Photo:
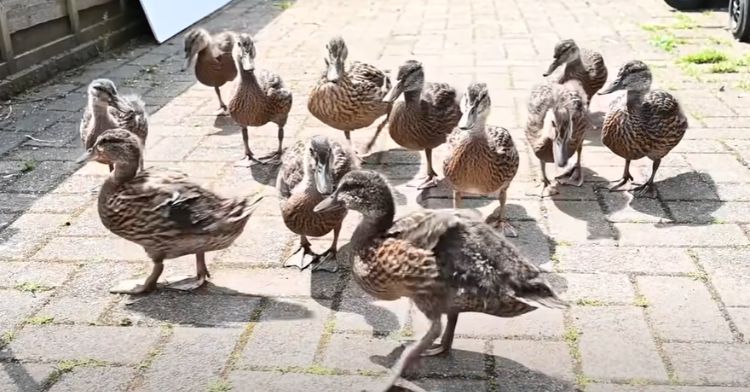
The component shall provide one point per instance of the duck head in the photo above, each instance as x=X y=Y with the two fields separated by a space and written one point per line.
x=410 y=78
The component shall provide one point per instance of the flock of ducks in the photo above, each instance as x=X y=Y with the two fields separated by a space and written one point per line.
x=447 y=261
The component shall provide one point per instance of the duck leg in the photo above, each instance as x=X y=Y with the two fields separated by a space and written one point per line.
x=457 y=199
x=447 y=340
x=348 y=135
x=647 y=188
x=308 y=256
x=547 y=189
x=502 y=224
x=372 y=141
x=625 y=177
x=411 y=355
x=430 y=180
x=193 y=282
x=133 y=288
x=574 y=176
x=275 y=157
x=248 y=153
x=223 y=111
x=329 y=256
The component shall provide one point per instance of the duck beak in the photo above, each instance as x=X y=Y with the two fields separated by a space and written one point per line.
x=255 y=203
x=467 y=119
x=248 y=64
x=395 y=91
x=560 y=152
x=614 y=86
x=324 y=178
x=330 y=203
x=333 y=73
x=552 y=67
x=188 y=62
x=86 y=156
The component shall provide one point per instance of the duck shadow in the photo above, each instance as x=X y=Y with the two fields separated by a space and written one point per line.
x=20 y=376
x=435 y=372
x=398 y=165
x=441 y=197
x=265 y=174
x=226 y=126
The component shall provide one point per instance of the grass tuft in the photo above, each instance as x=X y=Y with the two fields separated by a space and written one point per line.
x=219 y=386
x=29 y=166
x=698 y=276
x=666 y=42
x=40 y=320
x=284 y=4
x=641 y=301
x=705 y=56
x=589 y=302
x=724 y=67
x=31 y=287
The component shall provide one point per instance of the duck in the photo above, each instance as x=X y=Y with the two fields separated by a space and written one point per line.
x=258 y=98
x=481 y=159
x=212 y=55
x=309 y=172
x=349 y=99
x=162 y=211
x=641 y=123
x=445 y=261
x=581 y=64
x=107 y=109
x=557 y=123
x=425 y=117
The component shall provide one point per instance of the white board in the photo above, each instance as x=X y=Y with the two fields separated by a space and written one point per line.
x=169 y=17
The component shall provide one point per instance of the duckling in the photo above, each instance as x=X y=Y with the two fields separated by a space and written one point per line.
x=258 y=99
x=641 y=123
x=214 y=65
x=584 y=65
x=445 y=261
x=106 y=109
x=482 y=159
x=557 y=124
x=425 y=117
x=164 y=212
x=309 y=171
x=349 y=99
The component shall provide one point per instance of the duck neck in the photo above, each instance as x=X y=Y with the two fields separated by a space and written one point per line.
x=98 y=110
x=247 y=78
x=123 y=173
x=412 y=96
x=634 y=98
x=375 y=222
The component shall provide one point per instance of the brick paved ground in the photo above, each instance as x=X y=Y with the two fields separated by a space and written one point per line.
x=660 y=286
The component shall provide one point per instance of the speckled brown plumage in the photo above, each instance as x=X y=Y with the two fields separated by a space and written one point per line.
x=425 y=118
x=445 y=261
x=214 y=65
x=162 y=211
x=642 y=123
x=581 y=64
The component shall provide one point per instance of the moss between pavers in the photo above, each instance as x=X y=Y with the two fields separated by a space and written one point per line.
x=32 y=287
x=219 y=386
x=67 y=366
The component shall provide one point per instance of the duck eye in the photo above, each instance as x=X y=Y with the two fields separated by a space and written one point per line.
x=554 y=123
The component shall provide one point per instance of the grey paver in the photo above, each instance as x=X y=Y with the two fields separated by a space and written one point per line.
x=682 y=309
x=377 y=353
x=290 y=382
x=577 y=222
x=659 y=388
x=728 y=271
x=669 y=235
x=541 y=323
x=360 y=312
x=615 y=343
x=193 y=356
x=23 y=377
x=741 y=317
x=16 y=306
x=621 y=260
x=112 y=344
x=93 y=378
x=706 y=363
x=287 y=334
x=614 y=288
x=550 y=359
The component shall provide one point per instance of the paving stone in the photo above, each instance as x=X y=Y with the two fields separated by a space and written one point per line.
x=27 y=233
x=521 y=361
x=682 y=309
x=658 y=388
x=719 y=167
x=44 y=274
x=361 y=312
x=741 y=318
x=574 y=221
x=733 y=192
x=24 y=377
x=262 y=247
x=623 y=260
x=61 y=203
x=16 y=306
x=615 y=343
x=272 y=282
x=674 y=235
x=539 y=324
x=295 y=325
x=706 y=363
x=292 y=382
x=16 y=202
x=375 y=354
x=93 y=378
x=532 y=242
x=451 y=385
x=609 y=288
x=465 y=358
x=688 y=186
x=623 y=207
x=125 y=345
x=178 y=359
x=728 y=271
x=710 y=212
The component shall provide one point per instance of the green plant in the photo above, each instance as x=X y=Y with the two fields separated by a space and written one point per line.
x=684 y=22
x=652 y=28
x=589 y=302
x=667 y=41
x=724 y=67
x=705 y=56
x=698 y=276
x=284 y=4
x=40 y=320
x=219 y=386
x=28 y=166
x=31 y=287
x=641 y=301
x=743 y=85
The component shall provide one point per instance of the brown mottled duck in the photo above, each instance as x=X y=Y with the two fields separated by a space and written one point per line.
x=163 y=212
x=641 y=123
x=349 y=99
x=107 y=109
x=581 y=64
x=310 y=171
x=445 y=261
x=482 y=159
x=214 y=65
x=556 y=126
x=258 y=98
x=424 y=119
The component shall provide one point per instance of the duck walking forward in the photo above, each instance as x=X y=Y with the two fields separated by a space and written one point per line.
x=163 y=212
x=642 y=123
x=258 y=98
x=214 y=65
x=349 y=99
x=310 y=171
x=445 y=261
x=481 y=159
x=427 y=115
x=107 y=109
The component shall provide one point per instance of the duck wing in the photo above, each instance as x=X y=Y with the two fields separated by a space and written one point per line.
x=291 y=171
x=368 y=80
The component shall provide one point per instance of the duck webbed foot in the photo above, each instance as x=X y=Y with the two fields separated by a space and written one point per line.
x=446 y=342
x=625 y=177
x=306 y=257
x=273 y=158
x=572 y=176
x=135 y=287
x=190 y=283
x=327 y=261
x=428 y=181
x=248 y=160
